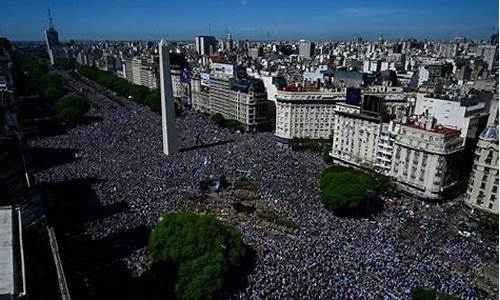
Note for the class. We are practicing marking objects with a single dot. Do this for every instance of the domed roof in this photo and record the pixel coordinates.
(490, 132)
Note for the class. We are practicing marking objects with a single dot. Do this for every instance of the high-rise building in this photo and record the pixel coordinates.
(167, 102)
(306, 49)
(206, 45)
(54, 48)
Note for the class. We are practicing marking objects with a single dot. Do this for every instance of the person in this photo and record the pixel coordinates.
(199, 141)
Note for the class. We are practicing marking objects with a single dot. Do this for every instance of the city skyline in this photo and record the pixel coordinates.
(322, 20)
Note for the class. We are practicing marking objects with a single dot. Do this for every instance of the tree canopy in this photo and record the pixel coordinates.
(203, 251)
(70, 109)
(122, 87)
(351, 192)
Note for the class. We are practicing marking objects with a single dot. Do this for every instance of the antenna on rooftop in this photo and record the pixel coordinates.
(51, 23)
(209, 29)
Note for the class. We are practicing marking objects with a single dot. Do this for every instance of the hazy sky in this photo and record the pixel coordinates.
(249, 19)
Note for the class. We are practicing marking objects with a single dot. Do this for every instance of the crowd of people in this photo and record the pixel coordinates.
(408, 244)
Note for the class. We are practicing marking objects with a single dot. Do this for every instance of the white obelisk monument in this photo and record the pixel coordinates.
(167, 102)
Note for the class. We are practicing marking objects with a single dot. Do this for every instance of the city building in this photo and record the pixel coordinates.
(448, 50)
(200, 92)
(236, 98)
(306, 49)
(385, 147)
(141, 71)
(356, 131)
(427, 158)
(482, 191)
(206, 45)
(305, 114)
(54, 48)
(467, 114)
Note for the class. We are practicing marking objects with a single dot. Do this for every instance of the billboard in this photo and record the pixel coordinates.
(205, 79)
(223, 69)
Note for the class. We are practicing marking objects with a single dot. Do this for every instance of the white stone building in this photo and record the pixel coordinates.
(305, 114)
(355, 136)
(468, 115)
(426, 158)
(482, 192)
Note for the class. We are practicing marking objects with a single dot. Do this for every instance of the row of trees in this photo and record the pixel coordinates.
(194, 255)
(34, 78)
(122, 87)
(226, 123)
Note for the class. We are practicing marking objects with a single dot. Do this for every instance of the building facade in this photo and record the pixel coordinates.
(469, 115)
(355, 136)
(305, 114)
(426, 158)
(241, 100)
(482, 191)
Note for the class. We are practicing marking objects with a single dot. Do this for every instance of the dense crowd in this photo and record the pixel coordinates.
(408, 244)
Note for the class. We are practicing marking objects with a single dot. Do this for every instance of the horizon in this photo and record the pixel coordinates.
(255, 20)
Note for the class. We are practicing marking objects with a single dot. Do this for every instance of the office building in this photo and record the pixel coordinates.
(306, 49)
(206, 45)
(200, 92)
(141, 71)
(54, 48)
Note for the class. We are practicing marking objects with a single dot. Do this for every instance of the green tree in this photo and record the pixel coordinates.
(349, 191)
(153, 100)
(205, 252)
(52, 93)
(71, 109)
(138, 93)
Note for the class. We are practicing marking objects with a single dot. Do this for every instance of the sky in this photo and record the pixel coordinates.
(23, 20)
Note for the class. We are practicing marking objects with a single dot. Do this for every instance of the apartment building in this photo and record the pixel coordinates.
(200, 92)
(141, 71)
(427, 157)
(243, 100)
(482, 191)
(467, 114)
(356, 131)
(305, 114)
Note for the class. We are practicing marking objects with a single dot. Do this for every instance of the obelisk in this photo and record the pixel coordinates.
(167, 102)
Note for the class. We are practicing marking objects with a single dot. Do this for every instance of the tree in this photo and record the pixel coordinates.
(138, 93)
(71, 109)
(204, 251)
(52, 93)
(153, 100)
(350, 192)
(218, 119)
